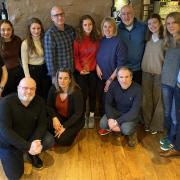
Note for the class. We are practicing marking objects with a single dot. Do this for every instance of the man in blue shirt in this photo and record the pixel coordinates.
(123, 102)
(58, 42)
(133, 33)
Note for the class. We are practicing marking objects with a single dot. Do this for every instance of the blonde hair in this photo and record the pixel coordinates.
(167, 35)
(112, 22)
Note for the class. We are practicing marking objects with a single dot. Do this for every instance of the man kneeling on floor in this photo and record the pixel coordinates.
(23, 125)
(122, 106)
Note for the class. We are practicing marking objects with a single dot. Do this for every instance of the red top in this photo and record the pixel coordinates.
(85, 54)
(62, 106)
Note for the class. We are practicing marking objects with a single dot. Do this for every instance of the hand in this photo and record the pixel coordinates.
(36, 147)
(107, 84)
(113, 125)
(56, 124)
(99, 72)
(59, 132)
(84, 72)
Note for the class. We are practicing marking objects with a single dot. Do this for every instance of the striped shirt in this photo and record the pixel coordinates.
(58, 48)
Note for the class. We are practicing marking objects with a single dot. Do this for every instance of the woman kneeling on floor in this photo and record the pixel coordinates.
(65, 107)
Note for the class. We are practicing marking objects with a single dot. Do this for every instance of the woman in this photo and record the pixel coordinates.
(32, 55)
(3, 76)
(85, 48)
(169, 73)
(65, 107)
(151, 78)
(10, 47)
(112, 54)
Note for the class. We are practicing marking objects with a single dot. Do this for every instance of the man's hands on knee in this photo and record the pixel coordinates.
(113, 125)
(36, 147)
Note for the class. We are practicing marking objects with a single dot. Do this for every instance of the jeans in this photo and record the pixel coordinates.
(168, 93)
(127, 128)
(12, 158)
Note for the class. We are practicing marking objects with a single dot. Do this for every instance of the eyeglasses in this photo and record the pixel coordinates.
(58, 15)
(27, 88)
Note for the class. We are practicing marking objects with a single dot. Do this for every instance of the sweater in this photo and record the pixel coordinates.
(20, 125)
(126, 102)
(135, 41)
(171, 66)
(12, 52)
(112, 54)
(153, 57)
(85, 54)
(75, 107)
(31, 58)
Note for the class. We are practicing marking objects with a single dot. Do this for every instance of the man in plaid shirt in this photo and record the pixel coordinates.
(58, 42)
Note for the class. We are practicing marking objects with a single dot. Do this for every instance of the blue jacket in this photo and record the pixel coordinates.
(112, 53)
(126, 102)
(135, 41)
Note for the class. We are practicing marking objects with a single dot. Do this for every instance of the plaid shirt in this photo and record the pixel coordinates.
(58, 47)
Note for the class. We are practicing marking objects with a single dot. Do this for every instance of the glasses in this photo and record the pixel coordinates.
(58, 15)
(27, 88)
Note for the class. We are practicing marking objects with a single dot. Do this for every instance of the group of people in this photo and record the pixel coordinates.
(57, 72)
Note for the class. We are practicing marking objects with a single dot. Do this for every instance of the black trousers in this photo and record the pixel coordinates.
(12, 158)
(14, 76)
(88, 84)
(43, 82)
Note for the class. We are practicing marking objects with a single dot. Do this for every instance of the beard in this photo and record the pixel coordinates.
(25, 98)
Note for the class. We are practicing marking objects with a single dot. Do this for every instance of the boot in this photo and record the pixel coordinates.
(132, 140)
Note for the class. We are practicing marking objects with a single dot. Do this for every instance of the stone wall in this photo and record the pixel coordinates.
(21, 10)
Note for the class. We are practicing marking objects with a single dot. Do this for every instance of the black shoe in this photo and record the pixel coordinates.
(36, 162)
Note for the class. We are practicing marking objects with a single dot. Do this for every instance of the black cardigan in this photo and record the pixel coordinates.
(75, 107)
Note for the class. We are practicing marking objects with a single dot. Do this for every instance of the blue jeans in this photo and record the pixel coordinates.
(168, 93)
(12, 158)
(127, 128)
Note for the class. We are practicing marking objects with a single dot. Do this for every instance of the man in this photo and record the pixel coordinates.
(133, 33)
(23, 125)
(58, 42)
(123, 102)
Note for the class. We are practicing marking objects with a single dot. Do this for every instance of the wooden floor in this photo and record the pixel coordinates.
(107, 158)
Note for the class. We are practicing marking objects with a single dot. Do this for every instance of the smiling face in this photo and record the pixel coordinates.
(6, 31)
(57, 16)
(108, 29)
(26, 90)
(127, 15)
(154, 25)
(87, 26)
(64, 80)
(35, 30)
(172, 27)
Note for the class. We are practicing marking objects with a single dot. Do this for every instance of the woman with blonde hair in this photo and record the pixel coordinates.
(112, 54)
(169, 75)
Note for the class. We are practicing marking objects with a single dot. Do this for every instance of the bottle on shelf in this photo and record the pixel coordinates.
(4, 13)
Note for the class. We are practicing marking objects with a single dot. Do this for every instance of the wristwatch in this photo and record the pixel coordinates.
(1, 88)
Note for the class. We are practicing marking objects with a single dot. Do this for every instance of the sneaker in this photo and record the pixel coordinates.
(86, 122)
(36, 161)
(104, 132)
(166, 147)
(164, 140)
(132, 140)
(91, 122)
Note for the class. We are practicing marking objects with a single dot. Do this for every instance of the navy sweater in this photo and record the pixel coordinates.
(126, 102)
(112, 53)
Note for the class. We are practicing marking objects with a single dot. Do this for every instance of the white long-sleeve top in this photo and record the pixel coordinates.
(31, 58)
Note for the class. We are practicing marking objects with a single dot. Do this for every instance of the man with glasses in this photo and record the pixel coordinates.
(23, 129)
(122, 106)
(58, 42)
(133, 33)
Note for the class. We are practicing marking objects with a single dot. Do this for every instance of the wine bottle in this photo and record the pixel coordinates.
(4, 13)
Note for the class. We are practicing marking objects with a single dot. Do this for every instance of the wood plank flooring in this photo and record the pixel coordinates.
(94, 157)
